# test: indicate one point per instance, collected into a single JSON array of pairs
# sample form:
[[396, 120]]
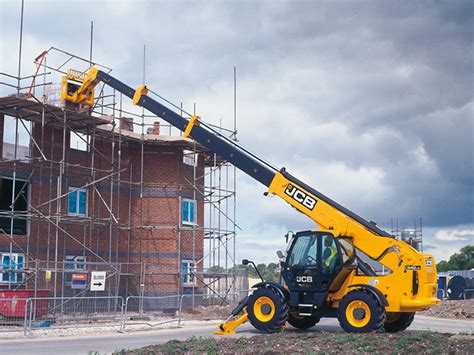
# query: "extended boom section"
[[225, 149]]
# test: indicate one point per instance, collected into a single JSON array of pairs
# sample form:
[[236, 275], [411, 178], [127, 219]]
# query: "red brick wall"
[[155, 203]]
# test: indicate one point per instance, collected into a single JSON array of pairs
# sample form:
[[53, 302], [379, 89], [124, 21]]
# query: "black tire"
[[301, 322], [397, 322], [276, 309], [360, 312]]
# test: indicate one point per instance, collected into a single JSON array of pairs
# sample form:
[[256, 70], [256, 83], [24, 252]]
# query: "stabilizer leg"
[[229, 326]]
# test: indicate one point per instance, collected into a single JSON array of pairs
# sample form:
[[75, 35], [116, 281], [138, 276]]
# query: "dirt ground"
[[300, 342], [463, 309], [208, 312]]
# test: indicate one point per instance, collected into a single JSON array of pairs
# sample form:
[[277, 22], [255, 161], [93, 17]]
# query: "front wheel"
[[361, 312], [398, 321], [267, 309]]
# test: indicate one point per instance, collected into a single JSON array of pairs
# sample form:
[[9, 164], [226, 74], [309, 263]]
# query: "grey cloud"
[[372, 86]]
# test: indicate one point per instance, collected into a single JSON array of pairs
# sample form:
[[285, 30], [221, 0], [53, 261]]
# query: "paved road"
[[110, 342]]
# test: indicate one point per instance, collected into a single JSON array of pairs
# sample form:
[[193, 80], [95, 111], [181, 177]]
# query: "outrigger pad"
[[228, 327]]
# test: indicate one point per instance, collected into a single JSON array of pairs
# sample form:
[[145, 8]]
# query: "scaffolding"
[[103, 134], [412, 235]]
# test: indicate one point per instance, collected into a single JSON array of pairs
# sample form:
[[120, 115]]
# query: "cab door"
[[312, 263]]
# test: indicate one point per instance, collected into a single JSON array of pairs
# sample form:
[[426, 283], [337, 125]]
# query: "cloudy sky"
[[369, 102]]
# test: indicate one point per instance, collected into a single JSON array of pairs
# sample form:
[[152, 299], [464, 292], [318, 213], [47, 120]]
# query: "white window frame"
[[77, 260], [79, 143], [76, 191], [23, 139], [78, 263], [189, 278], [14, 256], [189, 201], [190, 157]]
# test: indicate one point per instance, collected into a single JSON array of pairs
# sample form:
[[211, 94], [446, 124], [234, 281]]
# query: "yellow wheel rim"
[[264, 309], [358, 313]]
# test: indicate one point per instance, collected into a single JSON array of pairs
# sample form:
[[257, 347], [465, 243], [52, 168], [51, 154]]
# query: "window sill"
[[186, 224], [10, 282]]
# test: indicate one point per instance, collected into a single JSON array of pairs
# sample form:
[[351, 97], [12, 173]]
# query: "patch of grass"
[[370, 349], [342, 338], [362, 342], [401, 344], [239, 345], [116, 352], [207, 345], [422, 336], [174, 346]]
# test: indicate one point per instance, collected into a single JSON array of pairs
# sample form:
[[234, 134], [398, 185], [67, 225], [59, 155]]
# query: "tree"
[[464, 260], [269, 272]]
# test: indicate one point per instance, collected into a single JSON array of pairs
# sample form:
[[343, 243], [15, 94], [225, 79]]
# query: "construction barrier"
[[72, 312]]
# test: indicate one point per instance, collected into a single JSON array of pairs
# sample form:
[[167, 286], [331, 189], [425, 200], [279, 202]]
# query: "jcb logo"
[[302, 279], [300, 196]]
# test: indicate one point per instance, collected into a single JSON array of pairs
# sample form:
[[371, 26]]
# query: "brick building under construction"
[[104, 189]]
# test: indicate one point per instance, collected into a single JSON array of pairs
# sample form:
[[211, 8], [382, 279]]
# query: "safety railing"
[[12, 314], [26, 315], [147, 307], [72, 312]]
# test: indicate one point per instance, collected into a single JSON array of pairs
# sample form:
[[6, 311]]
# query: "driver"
[[329, 251]]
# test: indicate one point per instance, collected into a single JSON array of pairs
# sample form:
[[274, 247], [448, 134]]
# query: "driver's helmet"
[[328, 241]]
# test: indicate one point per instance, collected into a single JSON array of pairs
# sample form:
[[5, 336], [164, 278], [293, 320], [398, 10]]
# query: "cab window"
[[330, 255], [303, 252]]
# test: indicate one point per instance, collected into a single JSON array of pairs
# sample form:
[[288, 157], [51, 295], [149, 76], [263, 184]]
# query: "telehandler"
[[349, 268]]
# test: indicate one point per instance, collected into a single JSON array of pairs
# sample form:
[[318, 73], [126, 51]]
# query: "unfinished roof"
[[108, 129], [32, 110]]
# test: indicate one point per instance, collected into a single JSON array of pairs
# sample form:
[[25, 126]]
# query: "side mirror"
[[288, 236], [280, 254], [245, 262]]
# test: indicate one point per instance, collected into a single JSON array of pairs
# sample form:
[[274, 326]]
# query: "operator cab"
[[316, 263]]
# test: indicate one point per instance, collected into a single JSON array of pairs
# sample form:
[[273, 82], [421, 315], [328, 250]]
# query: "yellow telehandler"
[[349, 268]]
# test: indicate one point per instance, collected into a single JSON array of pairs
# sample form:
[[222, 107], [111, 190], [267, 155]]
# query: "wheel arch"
[[274, 285], [374, 291]]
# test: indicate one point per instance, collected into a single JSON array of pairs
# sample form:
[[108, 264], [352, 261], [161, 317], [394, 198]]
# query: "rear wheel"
[[398, 321], [361, 312], [300, 322], [267, 309]]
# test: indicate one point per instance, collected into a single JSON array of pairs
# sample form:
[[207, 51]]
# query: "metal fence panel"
[[64, 312]]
